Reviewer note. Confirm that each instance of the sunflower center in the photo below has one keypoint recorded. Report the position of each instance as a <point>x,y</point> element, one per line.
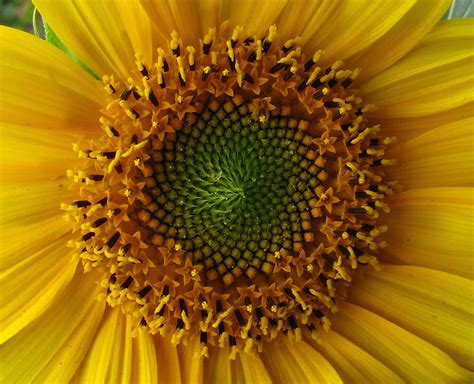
<point>234,193</point>
<point>233,190</point>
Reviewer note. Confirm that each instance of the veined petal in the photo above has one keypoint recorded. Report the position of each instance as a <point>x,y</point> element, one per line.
<point>441,157</point>
<point>406,128</point>
<point>298,363</point>
<point>55,344</point>
<point>252,370</point>
<point>436,76</point>
<point>38,115</point>
<point>103,34</point>
<point>353,26</point>
<point>414,98</point>
<point>118,356</point>
<point>399,40</point>
<point>433,228</point>
<point>167,361</point>
<point>311,16</point>
<point>30,287</point>
<point>32,230</point>
<point>192,19</point>
<point>32,154</point>
<point>218,368</point>
<point>411,357</point>
<point>43,89</point>
<point>256,15</point>
<point>145,369</point>
<point>191,361</point>
<point>450,29</point>
<point>245,369</point>
<point>342,29</point>
<point>20,242</point>
<point>169,15</point>
<point>424,58</point>
<point>352,363</point>
<point>461,198</point>
<point>31,218</point>
<point>20,201</point>
<point>139,30</point>
<point>437,306</point>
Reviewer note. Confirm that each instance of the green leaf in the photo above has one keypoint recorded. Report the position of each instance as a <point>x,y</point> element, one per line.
<point>51,37</point>
<point>460,9</point>
<point>35,24</point>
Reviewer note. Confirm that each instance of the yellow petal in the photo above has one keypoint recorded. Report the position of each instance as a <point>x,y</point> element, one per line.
<point>399,40</point>
<point>257,16</point>
<point>450,29</point>
<point>30,287</point>
<point>192,19</point>
<point>252,370</point>
<point>105,358</point>
<point>436,76</point>
<point>434,305</point>
<point>341,28</point>
<point>30,201</point>
<point>244,369</point>
<point>432,228</point>
<point>352,363</point>
<point>51,348</point>
<point>218,368</point>
<point>20,242</point>
<point>191,361</point>
<point>353,26</point>
<point>104,34</point>
<point>120,353</point>
<point>33,236</point>
<point>424,58</point>
<point>28,154</point>
<point>31,218</point>
<point>167,16</point>
<point>441,157</point>
<point>42,88</point>
<point>409,356</point>
<point>167,361</point>
<point>45,96</point>
<point>144,364</point>
<point>139,30</point>
<point>407,128</point>
<point>297,363</point>
<point>461,198</point>
<point>312,17</point>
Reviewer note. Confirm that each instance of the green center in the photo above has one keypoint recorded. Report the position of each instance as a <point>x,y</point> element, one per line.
<point>232,190</point>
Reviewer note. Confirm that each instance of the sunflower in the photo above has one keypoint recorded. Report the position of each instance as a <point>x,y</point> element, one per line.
<point>254,191</point>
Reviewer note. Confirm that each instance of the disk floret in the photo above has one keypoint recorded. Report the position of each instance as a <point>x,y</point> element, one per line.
<point>234,192</point>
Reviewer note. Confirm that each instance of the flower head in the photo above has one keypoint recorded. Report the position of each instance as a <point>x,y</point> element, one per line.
<point>230,201</point>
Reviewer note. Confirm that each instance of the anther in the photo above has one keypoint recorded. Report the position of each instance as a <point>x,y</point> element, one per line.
<point>126,94</point>
<point>127,282</point>
<point>142,293</point>
<point>113,239</point>
<point>99,222</point>
<point>152,98</point>
<point>239,317</point>
<point>277,67</point>
<point>88,236</point>
<point>252,57</point>
<point>208,39</point>
<point>82,203</point>
<point>248,78</point>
